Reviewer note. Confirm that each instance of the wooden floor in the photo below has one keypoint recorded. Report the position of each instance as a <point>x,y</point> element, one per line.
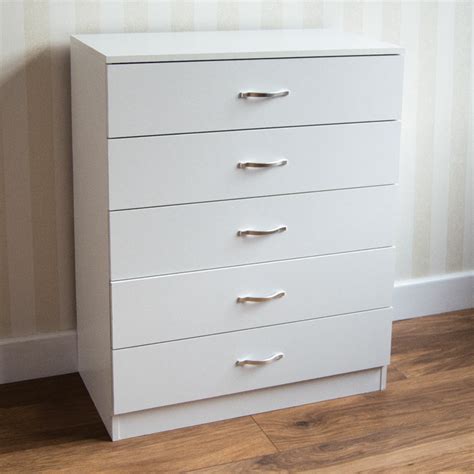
<point>423,422</point>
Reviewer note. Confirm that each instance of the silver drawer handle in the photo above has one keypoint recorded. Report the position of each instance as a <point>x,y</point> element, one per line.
<point>273,358</point>
<point>253,164</point>
<point>242,233</point>
<point>260,299</point>
<point>263,95</point>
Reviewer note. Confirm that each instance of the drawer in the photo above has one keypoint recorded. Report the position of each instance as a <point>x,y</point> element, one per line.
<point>174,169</point>
<point>161,98</point>
<point>146,242</point>
<point>165,308</point>
<point>193,369</point>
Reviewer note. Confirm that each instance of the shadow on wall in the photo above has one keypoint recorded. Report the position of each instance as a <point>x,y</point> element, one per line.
<point>36,222</point>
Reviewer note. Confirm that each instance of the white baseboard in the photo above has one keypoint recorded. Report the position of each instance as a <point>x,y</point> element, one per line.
<point>33,357</point>
<point>433,295</point>
<point>51,354</point>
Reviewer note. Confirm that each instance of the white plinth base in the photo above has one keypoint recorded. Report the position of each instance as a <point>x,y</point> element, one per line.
<point>246,403</point>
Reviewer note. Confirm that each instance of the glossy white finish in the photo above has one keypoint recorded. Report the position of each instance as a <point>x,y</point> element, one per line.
<point>245,403</point>
<point>151,310</point>
<point>91,229</point>
<point>146,242</point>
<point>175,169</point>
<point>186,46</point>
<point>160,98</point>
<point>193,369</point>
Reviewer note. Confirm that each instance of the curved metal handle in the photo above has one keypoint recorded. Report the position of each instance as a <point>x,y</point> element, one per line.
<point>273,358</point>
<point>243,233</point>
<point>260,299</point>
<point>254,164</point>
<point>263,95</point>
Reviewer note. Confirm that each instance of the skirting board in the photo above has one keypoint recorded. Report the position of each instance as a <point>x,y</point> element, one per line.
<point>33,357</point>
<point>51,354</point>
<point>433,295</point>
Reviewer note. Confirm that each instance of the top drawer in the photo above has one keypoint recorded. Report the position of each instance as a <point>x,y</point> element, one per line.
<point>161,98</point>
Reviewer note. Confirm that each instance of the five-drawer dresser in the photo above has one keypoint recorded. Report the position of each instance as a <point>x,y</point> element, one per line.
<point>234,197</point>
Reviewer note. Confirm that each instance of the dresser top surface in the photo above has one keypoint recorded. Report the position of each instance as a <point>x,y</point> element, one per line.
<point>244,44</point>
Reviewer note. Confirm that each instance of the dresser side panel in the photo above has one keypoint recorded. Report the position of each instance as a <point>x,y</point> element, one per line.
<point>91,226</point>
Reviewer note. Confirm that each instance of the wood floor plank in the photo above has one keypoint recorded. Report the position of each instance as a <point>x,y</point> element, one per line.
<point>454,454</point>
<point>408,403</point>
<point>329,433</point>
<point>394,374</point>
<point>46,390</point>
<point>432,344</point>
<point>45,412</point>
<point>173,451</point>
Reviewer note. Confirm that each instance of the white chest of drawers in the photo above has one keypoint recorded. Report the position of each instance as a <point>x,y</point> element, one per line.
<point>233,253</point>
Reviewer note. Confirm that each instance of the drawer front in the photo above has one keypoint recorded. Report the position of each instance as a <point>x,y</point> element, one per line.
<point>193,369</point>
<point>160,98</point>
<point>165,308</point>
<point>153,171</point>
<point>146,242</point>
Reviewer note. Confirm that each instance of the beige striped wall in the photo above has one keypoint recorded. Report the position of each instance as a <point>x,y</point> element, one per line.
<point>36,222</point>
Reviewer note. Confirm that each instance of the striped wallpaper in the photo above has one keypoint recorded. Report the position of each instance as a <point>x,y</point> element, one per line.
<point>36,221</point>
